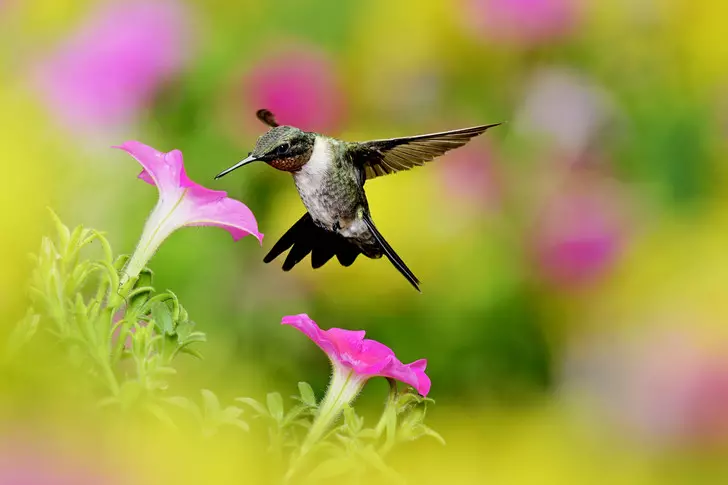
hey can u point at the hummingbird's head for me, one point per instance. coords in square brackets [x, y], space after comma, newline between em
[283, 147]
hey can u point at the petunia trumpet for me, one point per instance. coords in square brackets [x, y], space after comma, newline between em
[182, 203]
[354, 360]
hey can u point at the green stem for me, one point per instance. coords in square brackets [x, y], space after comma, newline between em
[388, 407]
[345, 386]
[110, 378]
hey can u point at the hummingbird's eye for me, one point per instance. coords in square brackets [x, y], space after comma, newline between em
[283, 148]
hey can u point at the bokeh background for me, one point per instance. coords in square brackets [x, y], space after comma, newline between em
[574, 311]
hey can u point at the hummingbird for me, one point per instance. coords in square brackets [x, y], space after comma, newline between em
[330, 175]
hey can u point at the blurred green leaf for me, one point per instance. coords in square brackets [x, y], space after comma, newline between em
[307, 395]
[275, 405]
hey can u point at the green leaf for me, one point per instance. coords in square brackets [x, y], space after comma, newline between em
[186, 404]
[369, 433]
[414, 417]
[373, 459]
[192, 352]
[258, 407]
[184, 329]
[240, 424]
[275, 405]
[211, 403]
[120, 262]
[64, 235]
[161, 414]
[307, 395]
[335, 467]
[163, 318]
[294, 414]
[352, 421]
[431, 432]
[231, 413]
[139, 296]
[22, 333]
[406, 400]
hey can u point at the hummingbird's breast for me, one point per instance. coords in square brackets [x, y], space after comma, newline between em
[331, 187]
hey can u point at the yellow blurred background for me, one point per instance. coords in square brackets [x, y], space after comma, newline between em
[573, 261]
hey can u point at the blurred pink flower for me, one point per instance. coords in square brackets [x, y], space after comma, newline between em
[522, 22]
[111, 67]
[668, 386]
[579, 232]
[300, 87]
[469, 176]
[23, 462]
[566, 109]
[182, 202]
[359, 358]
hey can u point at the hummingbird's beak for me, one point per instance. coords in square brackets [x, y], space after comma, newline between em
[248, 160]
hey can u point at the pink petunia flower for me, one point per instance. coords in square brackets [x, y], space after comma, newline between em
[523, 22]
[354, 360]
[300, 86]
[350, 353]
[115, 62]
[182, 202]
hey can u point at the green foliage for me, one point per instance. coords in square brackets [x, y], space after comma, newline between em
[349, 448]
[125, 336]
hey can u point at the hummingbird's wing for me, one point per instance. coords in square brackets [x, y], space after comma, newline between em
[382, 157]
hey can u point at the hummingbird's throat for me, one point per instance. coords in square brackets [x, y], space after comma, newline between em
[292, 163]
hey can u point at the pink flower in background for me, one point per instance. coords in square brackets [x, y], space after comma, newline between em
[469, 175]
[300, 87]
[182, 202]
[26, 462]
[565, 108]
[668, 386]
[109, 69]
[522, 22]
[579, 232]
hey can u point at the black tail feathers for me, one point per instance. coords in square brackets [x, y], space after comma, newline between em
[391, 255]
[306, 237]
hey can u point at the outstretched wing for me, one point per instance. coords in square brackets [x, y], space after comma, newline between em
[382, 157]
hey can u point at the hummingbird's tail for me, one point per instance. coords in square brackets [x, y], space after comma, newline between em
[391, 255]
[306, 237]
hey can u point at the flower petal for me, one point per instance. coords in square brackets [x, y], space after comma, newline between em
[225, 213]
[365, 356]
[165, 170]
[309, 328]
[412, 374]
